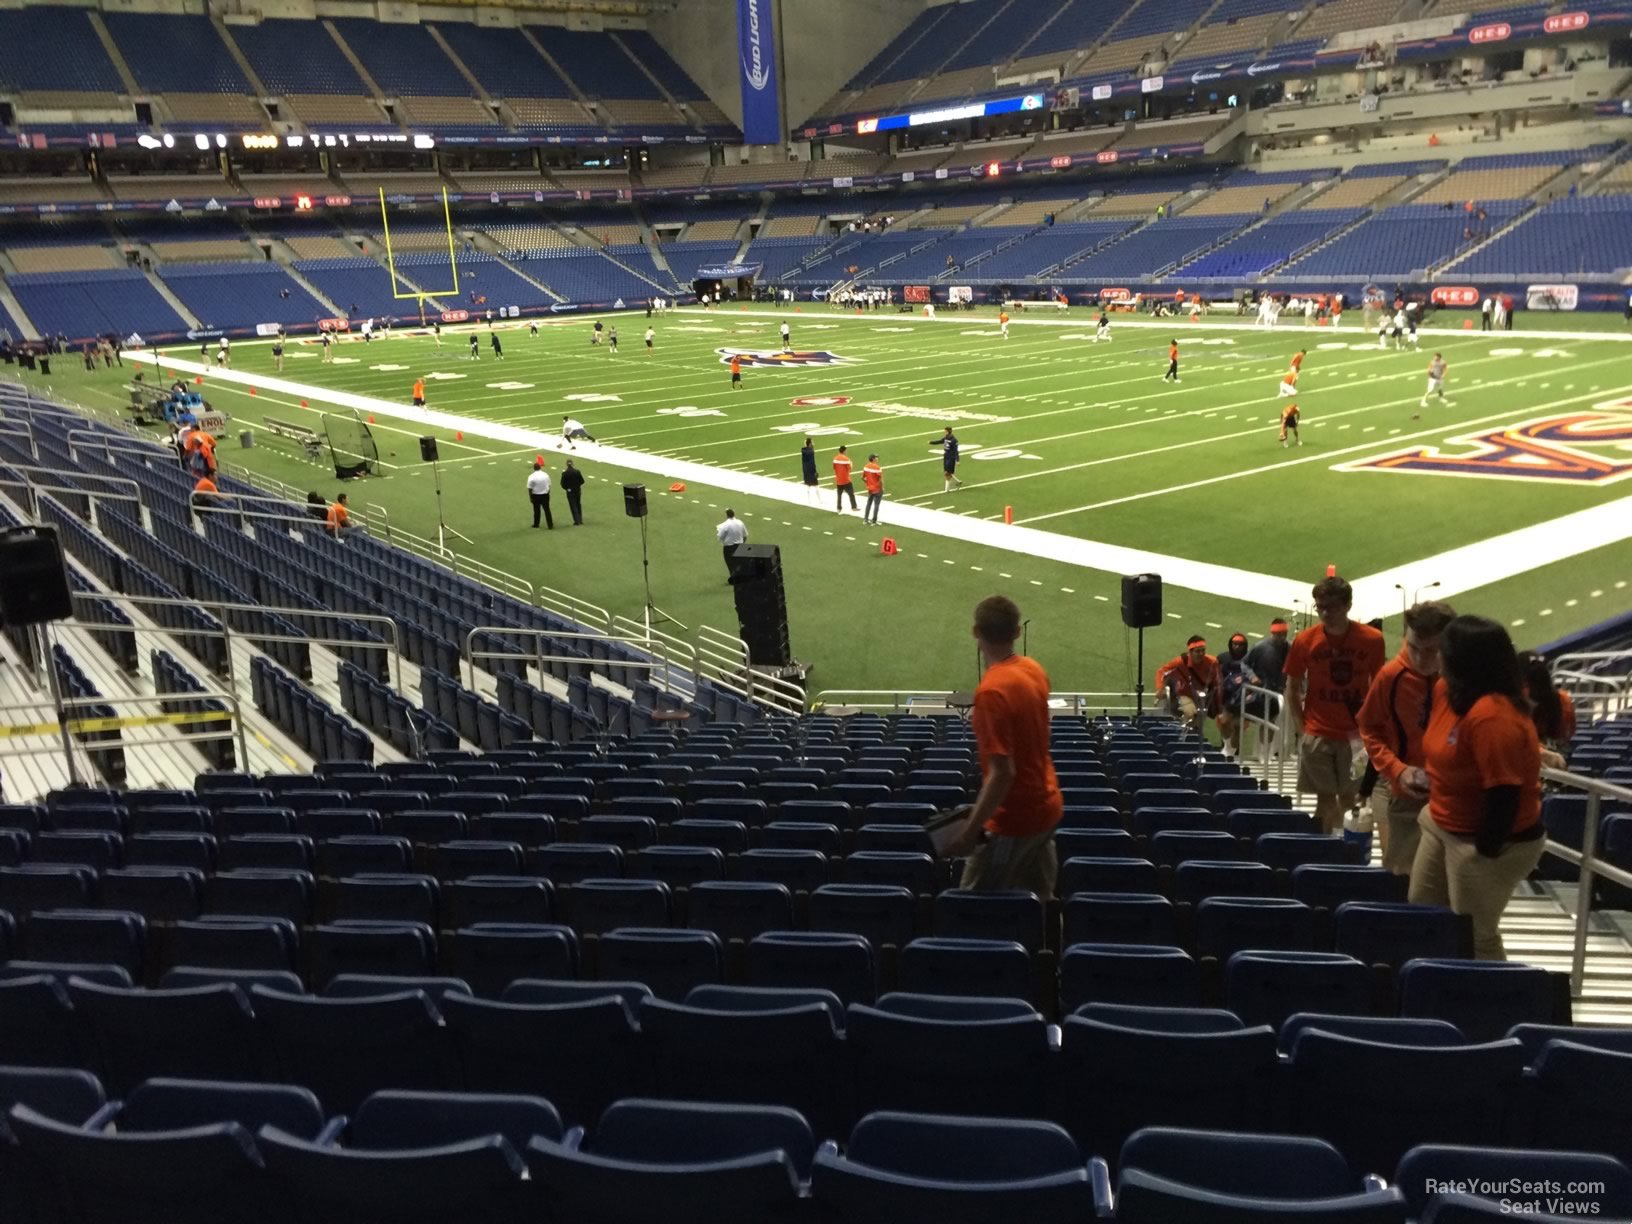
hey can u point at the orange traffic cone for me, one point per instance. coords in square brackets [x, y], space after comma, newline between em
[459, 436]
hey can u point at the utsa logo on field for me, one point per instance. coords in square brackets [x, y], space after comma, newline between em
[769, 358]
[1577, 447]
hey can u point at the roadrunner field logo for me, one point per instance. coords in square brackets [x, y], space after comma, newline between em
[1576, 448]
[770, 359]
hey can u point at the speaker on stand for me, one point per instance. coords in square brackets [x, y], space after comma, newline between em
[762, 606]
[1141, 610]
[34, 592]
[634, 505]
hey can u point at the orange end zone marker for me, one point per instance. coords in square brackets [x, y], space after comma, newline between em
[678, 486]
[1008, 514]
[1331, 571]
[304, 404]
[252, 390]
[1467, 324]
[888, 547]
[459, 435]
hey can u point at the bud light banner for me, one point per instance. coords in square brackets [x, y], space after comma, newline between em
[756, 50]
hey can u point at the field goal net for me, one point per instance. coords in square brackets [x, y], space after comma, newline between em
[351, 445]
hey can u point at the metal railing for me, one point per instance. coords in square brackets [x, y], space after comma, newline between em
[62, 733]
[725, 660]
[1587, 860]
[908, 701]
[1598, 681]
[540, 657]
[1266, 715]
[591, 615]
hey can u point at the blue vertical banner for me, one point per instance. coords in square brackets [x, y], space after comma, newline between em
[761, 94]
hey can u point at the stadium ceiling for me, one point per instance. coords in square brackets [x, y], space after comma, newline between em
[602, 8]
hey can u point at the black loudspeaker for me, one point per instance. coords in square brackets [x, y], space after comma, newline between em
[1141, 600]
[427, 449]
[634, 500]
[33, 578]
[762, 606]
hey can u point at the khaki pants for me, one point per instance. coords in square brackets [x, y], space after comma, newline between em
[1449, 871]
[1396, 822]
[1028, 863]
[1326, 767]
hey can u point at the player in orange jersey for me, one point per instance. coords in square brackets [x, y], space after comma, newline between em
[1289, 383]
[1297, 361]
[1003, 323]
[1172, 374]
[1289, 422]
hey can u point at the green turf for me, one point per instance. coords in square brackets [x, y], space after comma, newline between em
[1092, 445]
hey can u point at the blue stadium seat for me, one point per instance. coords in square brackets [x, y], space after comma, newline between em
[899, 1057]
[787, 1054]
[1142, 974]
[157, 894]
[923, 1169]
[883, 915]
[374, 985]
[599, 906]
[1107, 874]
[1289, 851]
[385, 898]
[799, 871]
[1376, 1100]
[1390, 1030]
[205, 1032]
[1196, 881]
[1116, 1078]
[1170, 847]
[1482, 998]
[686, 1163]
[1002, 914]
[1266, 987]
[1444, 1164]
[996, 968]
[106, 937]
[402, 1121]
[823, 960]
[1392, 933]
[257, 892]
[1227, 925]
[345, 1049]
[1579, 1098]
[403, 949]
[491, 955]
[1130, 918]
[38, 1027]
[670, 962]
[1179, 1176]
[163, 1104]
[194, 1176]
[1328, 885]
[677, 866]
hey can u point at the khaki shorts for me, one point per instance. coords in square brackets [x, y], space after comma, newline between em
[1027, 863]
[1399, 816]
[1326, 767]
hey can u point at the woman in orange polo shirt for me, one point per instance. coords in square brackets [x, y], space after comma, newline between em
[1481, 831]
[1550, 705]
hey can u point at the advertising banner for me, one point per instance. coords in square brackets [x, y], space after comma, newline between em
[756, 52]
[1552, 297]
[915, 293]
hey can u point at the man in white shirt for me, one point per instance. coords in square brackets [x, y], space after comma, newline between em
[572, 430]
[538, 492]
[731, 533]
[787, 342]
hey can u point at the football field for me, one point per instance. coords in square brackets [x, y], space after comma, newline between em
[1505, 497]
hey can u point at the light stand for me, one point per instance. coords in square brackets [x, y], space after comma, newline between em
[443, 531]
[653, 614]
[1139, 676]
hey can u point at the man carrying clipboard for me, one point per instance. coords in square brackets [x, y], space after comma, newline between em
[1008, 834]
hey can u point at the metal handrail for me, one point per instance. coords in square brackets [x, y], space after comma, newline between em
[471, 654]
[1587, 860]
[60, 708]
[1060, 702]
[104, 439]
[573, 608]
[392, 643]
[1273, 732]
[730, 657]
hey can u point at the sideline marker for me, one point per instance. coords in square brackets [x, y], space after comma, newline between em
[252, 390]
[459, 435]
[888, 547]
[1331, 571]
[1008, 514]
[1467, 324]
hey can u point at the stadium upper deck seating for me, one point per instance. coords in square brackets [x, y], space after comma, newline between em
[1153, 247]
[403, 60]
[293, 58]
[170, 52]
[54, 50]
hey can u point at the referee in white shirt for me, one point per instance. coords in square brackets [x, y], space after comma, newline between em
[538, 491]
[731, 533]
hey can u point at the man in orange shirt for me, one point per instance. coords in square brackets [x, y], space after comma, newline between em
[736, 372]
[1392, 722]
[1003, 323]
[873, 477]
[1009, 835]
[205, 493]
[1190, 683]
[841, 478]
[1289, 384]
[339, 517]
[1172, 374]
[1328, 672]
[419, 393]
[1297, 361]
